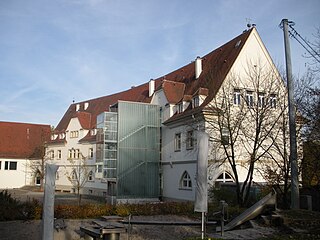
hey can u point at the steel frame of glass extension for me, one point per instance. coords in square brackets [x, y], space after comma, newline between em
[128, 150]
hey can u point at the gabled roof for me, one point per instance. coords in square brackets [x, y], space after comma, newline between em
[174, 91]
[215, 67]
[177, 84]
[23, 140]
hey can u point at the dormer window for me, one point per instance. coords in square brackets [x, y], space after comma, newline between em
[61, 136]
[93, 132]
[179, 108]
[53, 136]
[195, 102]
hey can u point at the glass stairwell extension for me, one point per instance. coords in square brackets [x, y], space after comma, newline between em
[128, 155]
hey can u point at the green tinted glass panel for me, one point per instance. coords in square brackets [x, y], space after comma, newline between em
[138, 150]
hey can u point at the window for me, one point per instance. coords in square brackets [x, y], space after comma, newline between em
[38, 179]
[261, 101]
[74, 134]
[10, 165]
[78, 153]
[195, 102]
[93, 132]
[52, 154]
[249, 98]
[73, 175]
[90, 152]
[177, 142]
[224, 177]
[190, 140]
[90, 176]
[61, 136]
[70, 154]
[225, 136]
[99, 169]
[273, 100]
[59, 154]
[236, 97]
[0, 165]
[185, 181]
[179, 108]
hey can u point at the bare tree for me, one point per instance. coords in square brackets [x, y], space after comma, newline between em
[246, 112]
[78, 173]
[39, 158]
[314, 63]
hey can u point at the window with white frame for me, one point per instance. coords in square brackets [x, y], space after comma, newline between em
[59, 154]
[8, 165]
[195, 102]
[273, 101]
[261, 99]
[74, 154]
[190, 139]
[0, 165]
[224, 177]
[70, 154]
[78, 154]
[90, 176]
[249, 98]
[74, 134]
[179, 108]
[52, 154]
[185, 181]
[177, 142]
[236, 97]
[90, 152]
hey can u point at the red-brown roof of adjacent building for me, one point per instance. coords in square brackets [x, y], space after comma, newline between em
[23, 140]
[177, 84]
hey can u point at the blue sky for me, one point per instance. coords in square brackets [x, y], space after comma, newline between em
[55, 51]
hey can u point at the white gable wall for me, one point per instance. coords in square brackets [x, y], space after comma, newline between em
[253, 57]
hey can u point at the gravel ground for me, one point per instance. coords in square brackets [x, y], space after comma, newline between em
[32, 229]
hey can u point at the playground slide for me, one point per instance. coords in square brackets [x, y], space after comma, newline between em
[251, 212]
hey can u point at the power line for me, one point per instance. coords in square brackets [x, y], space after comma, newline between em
[304, 43]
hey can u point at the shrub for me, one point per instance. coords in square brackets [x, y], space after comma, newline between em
[9, 209]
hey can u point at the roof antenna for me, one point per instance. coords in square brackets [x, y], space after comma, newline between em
[248, 20]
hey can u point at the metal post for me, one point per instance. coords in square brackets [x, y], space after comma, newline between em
[202, 225]
[292, 120]
[222, 217]
[48, 205]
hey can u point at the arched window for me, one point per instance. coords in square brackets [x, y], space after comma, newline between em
[90, 176]
[185, 181]
[224, 177]
[38, 178]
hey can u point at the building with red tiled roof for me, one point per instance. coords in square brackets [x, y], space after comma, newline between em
[142, 142]
[20, 144]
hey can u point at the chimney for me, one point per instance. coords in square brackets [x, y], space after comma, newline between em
[151, 87]
[198, 67]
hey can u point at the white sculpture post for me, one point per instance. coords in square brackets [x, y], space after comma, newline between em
[48, 203]
[201, 203]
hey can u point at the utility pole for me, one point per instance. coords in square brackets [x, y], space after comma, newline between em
[295, 203]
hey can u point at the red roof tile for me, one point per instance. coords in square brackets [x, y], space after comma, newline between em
[174, 91]
[22, 140]
[177, 84]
